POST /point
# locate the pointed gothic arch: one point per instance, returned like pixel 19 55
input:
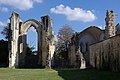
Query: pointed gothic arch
pixel 24 29
pixel 17 40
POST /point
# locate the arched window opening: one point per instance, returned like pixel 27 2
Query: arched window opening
pixel 31 58
pixel 32 40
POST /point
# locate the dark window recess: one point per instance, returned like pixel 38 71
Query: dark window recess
pixel 87 47
pixel 81 47
pixel 47 25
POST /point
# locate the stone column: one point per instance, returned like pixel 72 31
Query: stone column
pixel 14 27
pixel 23 50
pixel 45 28
pixel 110 24
pixel 39 48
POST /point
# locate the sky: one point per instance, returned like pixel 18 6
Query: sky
pixel 79 14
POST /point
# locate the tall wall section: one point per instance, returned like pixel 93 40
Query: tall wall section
pixel 106 54
pixel 110 24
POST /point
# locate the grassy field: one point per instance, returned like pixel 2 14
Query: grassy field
pixel 58 74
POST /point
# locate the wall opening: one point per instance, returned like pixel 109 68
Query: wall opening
pixel 31 56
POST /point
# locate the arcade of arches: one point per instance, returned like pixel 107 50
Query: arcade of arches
pixel 17 40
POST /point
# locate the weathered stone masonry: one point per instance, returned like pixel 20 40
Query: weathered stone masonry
pixel 106 54
pixel 17 40
pixel 99 48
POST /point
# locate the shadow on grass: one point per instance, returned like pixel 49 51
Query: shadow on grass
pixel 32 67
pixel 88 74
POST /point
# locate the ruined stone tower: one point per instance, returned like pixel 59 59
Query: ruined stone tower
pixel 110 24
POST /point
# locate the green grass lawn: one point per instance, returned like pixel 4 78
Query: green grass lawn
pixel 58 74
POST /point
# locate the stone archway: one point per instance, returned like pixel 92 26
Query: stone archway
pixel 23 32
pixel 17 40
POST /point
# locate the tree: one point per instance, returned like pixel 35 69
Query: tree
pixel 5 32
pixel 30 50
pixel 64 36
pixel 3 53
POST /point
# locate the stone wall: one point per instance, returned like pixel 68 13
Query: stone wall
pixel 72 56
pixel 17 40
pixel 82 41
pixel 106 54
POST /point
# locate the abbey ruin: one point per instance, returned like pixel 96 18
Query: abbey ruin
pixel 94 47
pixel 17 40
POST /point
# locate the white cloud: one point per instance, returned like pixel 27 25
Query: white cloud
pixel 101 27
pixel 32 29
pixel 2 24
pixel 20 4
pixel 56 39
pixel 4 9
pixel 21 20
pixel 38 1
pixel 8 21
pixel 76 14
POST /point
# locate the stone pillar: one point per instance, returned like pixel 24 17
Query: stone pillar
pixel 110 24
pixel 44 40
pixel 52 50
pixel 23 50
pixel 39 48
pixel 14 27
pixel 47 48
